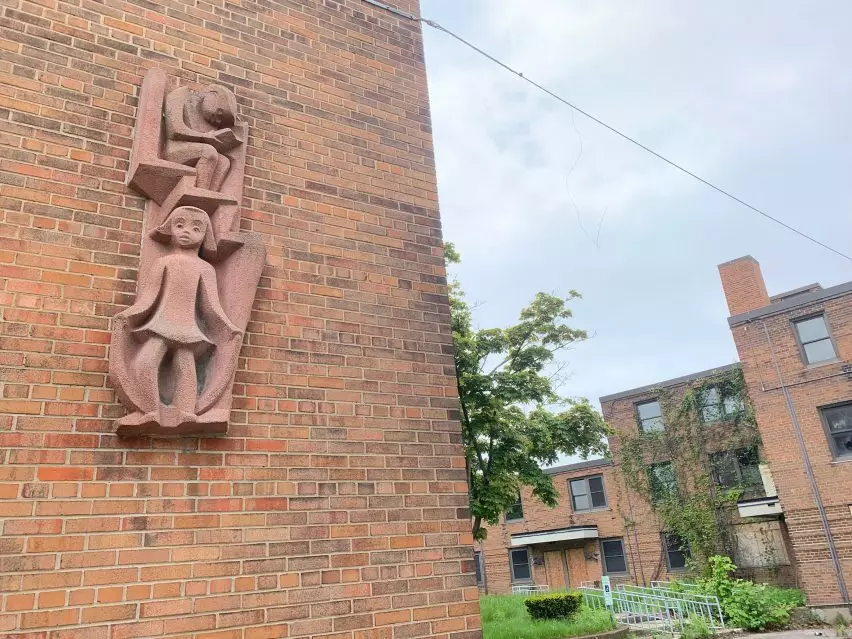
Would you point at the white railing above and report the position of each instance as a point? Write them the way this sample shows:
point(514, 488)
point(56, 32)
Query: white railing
point(657, 609)
point(528, 589)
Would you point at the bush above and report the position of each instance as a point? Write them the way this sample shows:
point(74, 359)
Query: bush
point(558, 605)
point(696, 628)
point(746, 604)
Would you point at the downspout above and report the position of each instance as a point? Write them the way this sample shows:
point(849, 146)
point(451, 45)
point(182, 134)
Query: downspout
point(809, 471)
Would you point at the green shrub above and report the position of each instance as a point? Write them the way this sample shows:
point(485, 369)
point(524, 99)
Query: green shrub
point(557, 605)
point(746, 604)
point(696, 628)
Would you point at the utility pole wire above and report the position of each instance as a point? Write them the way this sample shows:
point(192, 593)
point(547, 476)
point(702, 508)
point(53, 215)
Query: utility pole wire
point(680, 168)
point(718, 189)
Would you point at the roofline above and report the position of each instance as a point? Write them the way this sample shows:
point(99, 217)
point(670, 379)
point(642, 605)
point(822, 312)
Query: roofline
point(677, 381)
point(790, 303)
point(567, 468)
point(813, 286)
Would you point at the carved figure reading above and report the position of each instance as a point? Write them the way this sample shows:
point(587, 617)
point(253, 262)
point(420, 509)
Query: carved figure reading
point(199, 132)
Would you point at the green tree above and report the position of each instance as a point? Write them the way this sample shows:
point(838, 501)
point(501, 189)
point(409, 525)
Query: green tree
point(509, 426)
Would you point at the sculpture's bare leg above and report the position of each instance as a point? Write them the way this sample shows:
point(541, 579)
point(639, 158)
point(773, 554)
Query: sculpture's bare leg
point(223, 165)
point(186, 381)
point(147, 372)
point(204, 157)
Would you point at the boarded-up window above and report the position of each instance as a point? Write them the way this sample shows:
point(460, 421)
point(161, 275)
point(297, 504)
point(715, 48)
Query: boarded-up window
point(760, 545)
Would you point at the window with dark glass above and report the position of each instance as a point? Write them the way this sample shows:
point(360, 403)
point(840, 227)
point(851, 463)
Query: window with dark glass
point(677, 551)
point(515, 511)
point(663, 482)
point(519, 560)
point(613, 556)
point(477, 564)
point(736, 468)
point(838, 424)
point(815, 340)
point(587, 493)
point(650, 416)
point(716, 406)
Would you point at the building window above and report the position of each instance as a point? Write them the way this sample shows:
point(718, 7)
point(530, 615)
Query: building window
point(715, 406)
point(515, 511)
point(677, 551)
point(662, 480)
point(738, 468)
point(650, 416)
point(838, 424)
point(519, 560)
point(478, 567)
point(614, 561)
point(815, 340)
point(587, 493)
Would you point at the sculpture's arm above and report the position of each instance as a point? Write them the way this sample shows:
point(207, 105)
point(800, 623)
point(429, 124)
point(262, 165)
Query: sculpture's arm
point(150, 287)
point(211, 296)
point(176, 128)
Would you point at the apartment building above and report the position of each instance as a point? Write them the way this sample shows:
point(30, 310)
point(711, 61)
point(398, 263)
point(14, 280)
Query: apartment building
point(795, 349)
point(603, 525)
point(792, 522)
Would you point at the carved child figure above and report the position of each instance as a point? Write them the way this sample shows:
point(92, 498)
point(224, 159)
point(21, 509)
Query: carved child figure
point(199, 132)
point(178, 302)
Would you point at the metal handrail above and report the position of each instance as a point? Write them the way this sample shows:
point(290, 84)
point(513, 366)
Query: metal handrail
point(657, 609)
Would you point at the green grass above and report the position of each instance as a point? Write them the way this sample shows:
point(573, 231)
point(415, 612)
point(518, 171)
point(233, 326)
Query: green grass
point(505, 617)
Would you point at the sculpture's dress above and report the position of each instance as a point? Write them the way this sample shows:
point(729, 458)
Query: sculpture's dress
point(175, 318)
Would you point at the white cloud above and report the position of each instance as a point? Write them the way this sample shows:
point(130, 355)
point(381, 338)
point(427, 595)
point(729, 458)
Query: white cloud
point(752, 95)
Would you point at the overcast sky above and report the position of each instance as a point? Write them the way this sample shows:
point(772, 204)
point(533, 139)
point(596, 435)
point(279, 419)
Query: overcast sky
point(754, 96)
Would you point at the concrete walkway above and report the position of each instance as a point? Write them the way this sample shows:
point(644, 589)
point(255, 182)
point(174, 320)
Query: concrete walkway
point(823, 633)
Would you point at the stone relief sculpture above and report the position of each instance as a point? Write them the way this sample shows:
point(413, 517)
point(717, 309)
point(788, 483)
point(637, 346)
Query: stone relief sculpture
point(174, 351)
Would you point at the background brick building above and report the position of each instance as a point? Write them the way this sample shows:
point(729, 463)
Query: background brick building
point(336, 506)
point(616, 531)
point(794, 349)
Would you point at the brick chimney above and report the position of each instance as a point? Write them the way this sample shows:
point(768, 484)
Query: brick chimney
point(743, 284)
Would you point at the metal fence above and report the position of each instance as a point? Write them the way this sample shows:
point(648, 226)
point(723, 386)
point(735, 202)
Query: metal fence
point(528, 589)
point(658, 608)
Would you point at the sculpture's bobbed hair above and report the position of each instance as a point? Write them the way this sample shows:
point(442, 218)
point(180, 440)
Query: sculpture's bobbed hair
point(163, 233)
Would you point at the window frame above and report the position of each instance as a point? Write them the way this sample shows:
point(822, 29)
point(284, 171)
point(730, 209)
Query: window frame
point(478, 562)
point(514, 579)
point(520, 503)
point(794, 321)
point(606, 571)
point(738, 466)
point(656, 498)
point(591, 507)
point(835, 454)
point(724, 415)
point(640, 421)
point(686, 553)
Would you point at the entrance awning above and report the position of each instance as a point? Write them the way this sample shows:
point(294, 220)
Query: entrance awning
point(572, 533)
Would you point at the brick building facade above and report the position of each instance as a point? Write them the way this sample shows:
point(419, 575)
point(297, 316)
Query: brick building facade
point(603, 526)
point(794, 348)
point(336, 506)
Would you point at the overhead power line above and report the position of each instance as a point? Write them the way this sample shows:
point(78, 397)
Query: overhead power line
point(610, 128)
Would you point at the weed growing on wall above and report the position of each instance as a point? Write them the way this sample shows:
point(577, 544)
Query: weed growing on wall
point(671, 468)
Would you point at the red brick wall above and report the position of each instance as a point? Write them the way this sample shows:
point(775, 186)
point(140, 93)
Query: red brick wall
point(644, 540)
point(537, 516)
point(810, 387)
point(336, 506)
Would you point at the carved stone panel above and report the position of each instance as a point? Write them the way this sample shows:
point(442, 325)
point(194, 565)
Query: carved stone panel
point(174, 351)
